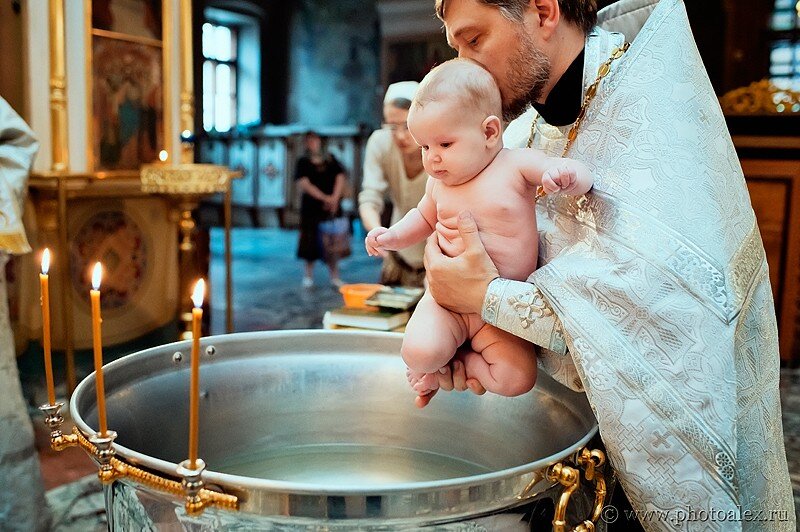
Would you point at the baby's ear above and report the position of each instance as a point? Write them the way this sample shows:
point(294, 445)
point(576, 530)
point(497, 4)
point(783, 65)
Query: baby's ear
point(492, 130)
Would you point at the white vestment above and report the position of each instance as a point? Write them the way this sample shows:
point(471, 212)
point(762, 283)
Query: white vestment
point(22, 504)
point(653, 293)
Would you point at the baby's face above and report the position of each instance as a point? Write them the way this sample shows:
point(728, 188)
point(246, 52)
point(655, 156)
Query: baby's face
point(454, 147)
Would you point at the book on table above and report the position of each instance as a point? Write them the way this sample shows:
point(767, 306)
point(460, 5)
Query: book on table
point(366, 319)
point(396, 297)
point(332, 326)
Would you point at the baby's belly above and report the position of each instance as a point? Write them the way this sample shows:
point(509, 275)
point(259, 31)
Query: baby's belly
point(515, 256)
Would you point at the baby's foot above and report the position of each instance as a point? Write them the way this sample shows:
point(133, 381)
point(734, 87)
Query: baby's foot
point(422, 383)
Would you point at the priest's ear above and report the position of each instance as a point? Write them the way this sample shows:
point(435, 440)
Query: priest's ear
point(492, 130)
point(545, 15)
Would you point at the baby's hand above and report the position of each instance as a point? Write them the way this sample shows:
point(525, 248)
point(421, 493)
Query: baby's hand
point(379, 241)
point(560, 176)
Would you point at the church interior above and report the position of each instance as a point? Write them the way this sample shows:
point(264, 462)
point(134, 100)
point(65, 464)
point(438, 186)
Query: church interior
point(169, 137)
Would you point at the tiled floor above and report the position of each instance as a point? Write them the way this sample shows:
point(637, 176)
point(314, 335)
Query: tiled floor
point(267, 296)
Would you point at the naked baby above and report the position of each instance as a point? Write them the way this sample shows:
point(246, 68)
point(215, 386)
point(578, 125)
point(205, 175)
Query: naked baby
point(454, 118)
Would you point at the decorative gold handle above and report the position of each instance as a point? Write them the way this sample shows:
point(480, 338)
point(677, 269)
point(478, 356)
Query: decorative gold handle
point(570, 478)
point(115, 469)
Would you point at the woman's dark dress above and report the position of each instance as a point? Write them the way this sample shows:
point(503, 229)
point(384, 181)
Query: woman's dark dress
point(312, 211)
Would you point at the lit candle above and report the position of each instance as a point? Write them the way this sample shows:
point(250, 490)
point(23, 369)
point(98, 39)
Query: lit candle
point(163, 155)
point(194, 391)
point(98, 349)
point(44, 283)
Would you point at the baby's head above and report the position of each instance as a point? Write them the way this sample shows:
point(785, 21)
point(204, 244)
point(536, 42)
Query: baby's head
point(454, 118)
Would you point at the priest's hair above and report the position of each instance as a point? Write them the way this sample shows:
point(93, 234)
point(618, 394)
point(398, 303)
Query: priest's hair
point(582, 13)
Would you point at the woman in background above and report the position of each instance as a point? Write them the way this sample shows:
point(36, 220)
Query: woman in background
point(321, 180)
point(393, 168)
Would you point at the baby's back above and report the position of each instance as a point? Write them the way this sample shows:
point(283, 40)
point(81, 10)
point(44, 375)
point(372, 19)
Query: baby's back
point(503, 206)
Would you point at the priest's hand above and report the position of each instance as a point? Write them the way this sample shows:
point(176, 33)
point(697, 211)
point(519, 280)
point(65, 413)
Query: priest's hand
point(460, 283)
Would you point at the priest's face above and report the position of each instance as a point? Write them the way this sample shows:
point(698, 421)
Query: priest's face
point(504, 47)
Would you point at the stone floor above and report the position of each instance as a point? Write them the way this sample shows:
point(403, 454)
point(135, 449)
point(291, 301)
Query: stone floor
point(267, 293)
point(267, 296)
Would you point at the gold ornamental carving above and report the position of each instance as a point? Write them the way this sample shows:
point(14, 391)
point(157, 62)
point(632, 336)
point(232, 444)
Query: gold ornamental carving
point(58, 86)
point(761, 98)
point(185, 178)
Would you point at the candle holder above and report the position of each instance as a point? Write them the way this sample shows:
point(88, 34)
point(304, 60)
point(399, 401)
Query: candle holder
point(193, 485)
point(104, 453)
point(53, 419)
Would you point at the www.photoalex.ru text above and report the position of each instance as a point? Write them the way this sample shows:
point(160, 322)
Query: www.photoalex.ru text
point(611, 514)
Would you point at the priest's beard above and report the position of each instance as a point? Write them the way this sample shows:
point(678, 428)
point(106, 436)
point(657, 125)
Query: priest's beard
point(528, 72)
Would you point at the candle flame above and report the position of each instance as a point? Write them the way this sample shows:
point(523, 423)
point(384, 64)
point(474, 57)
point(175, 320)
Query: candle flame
point(96, 274)
point(199, 293)
point(163, 155)
point(186, 134)
point(46, 261)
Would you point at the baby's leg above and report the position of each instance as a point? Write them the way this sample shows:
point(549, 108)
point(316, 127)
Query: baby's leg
point(432, 336)
point(503, 363)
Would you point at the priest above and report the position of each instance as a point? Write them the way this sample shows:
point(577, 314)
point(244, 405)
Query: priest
point(652, 294)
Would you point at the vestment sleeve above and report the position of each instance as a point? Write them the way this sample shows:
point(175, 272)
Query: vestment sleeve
point(18, 147)
point(520, 308)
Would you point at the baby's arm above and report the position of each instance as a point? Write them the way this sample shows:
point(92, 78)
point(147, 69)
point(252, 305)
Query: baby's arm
point(415, 226)
point(553, 173)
